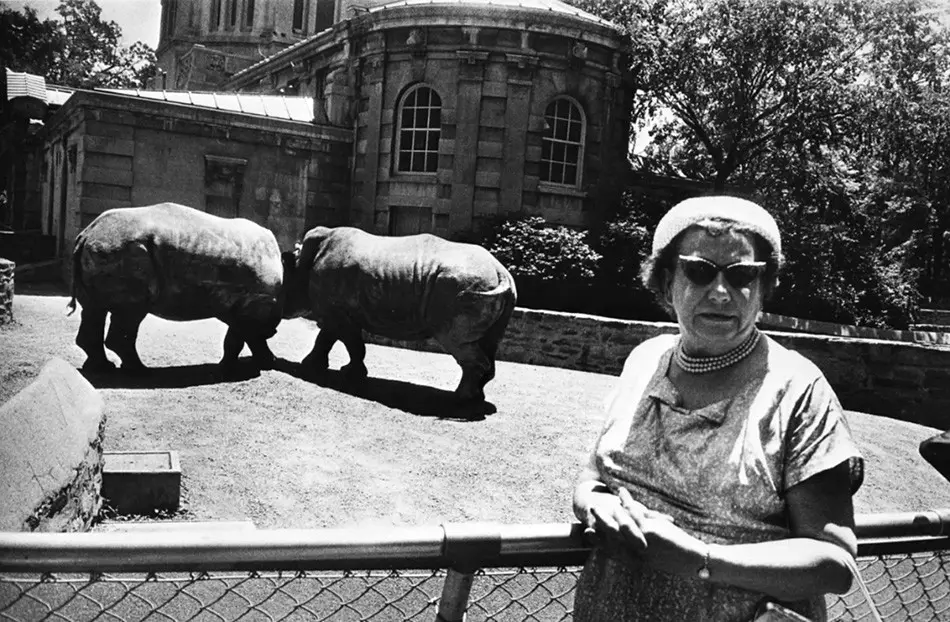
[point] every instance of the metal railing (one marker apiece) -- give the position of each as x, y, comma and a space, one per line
448, 572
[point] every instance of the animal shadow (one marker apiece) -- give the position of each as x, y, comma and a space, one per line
417, 399
176, 377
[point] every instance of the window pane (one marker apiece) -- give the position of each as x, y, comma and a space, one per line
574, 132
433, 142
571, 154
557, 173
557, 152
418, 141
560, 129
420, 117
405, 140
570, 175
545, 174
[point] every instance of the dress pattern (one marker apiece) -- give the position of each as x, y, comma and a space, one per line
721, 471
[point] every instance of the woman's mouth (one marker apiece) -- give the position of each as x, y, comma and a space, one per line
716, 317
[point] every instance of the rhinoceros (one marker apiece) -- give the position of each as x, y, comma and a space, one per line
181, 264
407, 288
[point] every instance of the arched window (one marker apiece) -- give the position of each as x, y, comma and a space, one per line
420, 127
562, 146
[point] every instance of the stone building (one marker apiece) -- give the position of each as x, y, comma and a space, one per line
397, 118
462, 110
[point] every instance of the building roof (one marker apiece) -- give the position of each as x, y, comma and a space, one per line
273, 106
57, 95
554, 6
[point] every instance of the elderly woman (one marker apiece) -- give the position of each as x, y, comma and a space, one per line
721, 479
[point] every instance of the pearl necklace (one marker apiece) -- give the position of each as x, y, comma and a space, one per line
706, 364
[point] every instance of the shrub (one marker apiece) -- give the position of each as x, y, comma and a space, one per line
532, 248
553, 265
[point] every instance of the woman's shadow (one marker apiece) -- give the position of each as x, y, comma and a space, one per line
416, 399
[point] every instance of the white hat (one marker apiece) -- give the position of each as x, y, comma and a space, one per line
697, 209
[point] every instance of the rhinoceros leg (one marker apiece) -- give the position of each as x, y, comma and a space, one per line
477, 368
356, 348
233, 344
261, 352
123, 332
239, 333
319, 357
91, 332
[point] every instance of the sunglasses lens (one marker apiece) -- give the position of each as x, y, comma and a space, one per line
699, 272
740, 276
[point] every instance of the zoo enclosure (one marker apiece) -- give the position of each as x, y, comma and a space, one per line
489, 571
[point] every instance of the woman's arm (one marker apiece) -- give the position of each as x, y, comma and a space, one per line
812, 562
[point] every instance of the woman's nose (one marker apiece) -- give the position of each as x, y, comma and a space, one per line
718, 290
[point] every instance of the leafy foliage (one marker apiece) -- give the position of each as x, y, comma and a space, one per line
835, 114
81, 51
529, 247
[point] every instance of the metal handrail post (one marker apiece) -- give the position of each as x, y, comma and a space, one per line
455, 592
467, 547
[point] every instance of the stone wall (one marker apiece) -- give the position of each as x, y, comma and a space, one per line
905, 381
7, 268
51, 453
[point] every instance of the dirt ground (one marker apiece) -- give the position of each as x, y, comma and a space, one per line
284, 451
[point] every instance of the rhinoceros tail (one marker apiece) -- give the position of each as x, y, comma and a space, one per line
76, 272
509, 297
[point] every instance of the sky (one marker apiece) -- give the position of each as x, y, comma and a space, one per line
138, 19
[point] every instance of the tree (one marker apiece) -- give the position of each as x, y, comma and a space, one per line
830, 112
726, 79
29, 44
81, 51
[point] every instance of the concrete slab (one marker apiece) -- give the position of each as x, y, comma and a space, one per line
141, 482
50, 453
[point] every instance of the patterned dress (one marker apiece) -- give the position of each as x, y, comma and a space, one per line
721, 471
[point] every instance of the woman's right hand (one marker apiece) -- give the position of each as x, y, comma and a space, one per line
607, 519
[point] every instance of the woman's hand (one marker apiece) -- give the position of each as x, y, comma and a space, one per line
655, 538
609, 518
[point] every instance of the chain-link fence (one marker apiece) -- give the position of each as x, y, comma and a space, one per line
909, 577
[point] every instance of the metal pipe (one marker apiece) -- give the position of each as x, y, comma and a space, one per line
903, 524
455, 593
463, 546
282, 548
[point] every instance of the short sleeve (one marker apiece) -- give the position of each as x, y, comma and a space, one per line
819, 438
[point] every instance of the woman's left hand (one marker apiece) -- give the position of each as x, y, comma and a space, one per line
656, 539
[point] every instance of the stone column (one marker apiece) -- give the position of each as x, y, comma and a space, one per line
6, 290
